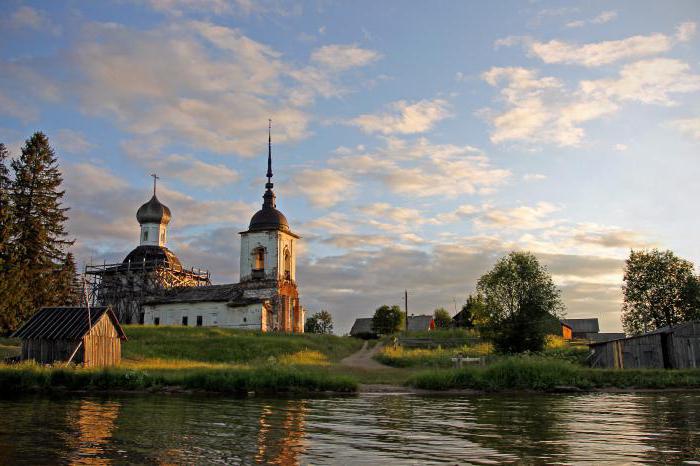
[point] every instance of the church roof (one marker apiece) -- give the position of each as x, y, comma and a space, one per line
153, 212
232, 294
153, 255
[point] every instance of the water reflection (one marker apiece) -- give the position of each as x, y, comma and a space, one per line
166, 429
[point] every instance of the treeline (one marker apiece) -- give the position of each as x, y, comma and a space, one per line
36, 269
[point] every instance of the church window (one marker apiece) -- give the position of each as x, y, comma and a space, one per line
287, 264
145, 235
156, 321
184, 321
259, 256
199, 321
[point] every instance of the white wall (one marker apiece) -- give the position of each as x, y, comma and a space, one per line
214, 314
274, 243
157, 235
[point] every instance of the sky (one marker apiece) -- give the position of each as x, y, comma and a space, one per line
414, 143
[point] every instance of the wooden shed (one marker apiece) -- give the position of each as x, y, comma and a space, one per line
676, 347
88, 336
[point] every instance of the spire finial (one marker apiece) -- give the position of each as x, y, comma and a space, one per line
269, 152
155, 177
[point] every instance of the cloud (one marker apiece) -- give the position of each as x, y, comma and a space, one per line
534, 177
520, 218
423, 169
26, 17
601, 53
72, 141
342, 57
178, 8
611, 237
195, 172
404, 118
688, 126
620, 147
647, 81
539, 109
11, 107
323, 187
602, 18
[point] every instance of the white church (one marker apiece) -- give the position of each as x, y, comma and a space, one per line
266, 298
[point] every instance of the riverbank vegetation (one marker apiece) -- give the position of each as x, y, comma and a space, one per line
548, 374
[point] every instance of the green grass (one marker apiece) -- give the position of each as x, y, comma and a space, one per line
9, 347
437, 357
27, 378
543, 374
218, 345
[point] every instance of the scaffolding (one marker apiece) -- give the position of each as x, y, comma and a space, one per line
126, 285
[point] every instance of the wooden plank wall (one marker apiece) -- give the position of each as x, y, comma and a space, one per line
102, 345
684, 346
49, 351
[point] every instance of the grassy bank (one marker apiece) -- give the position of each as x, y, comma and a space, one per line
437, 357
26, 378
544, 374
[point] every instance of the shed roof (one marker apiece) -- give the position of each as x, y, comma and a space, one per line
65, 323
419, 323
582, 325
361, 326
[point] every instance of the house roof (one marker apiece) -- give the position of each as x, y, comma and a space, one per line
419, 323
65, 323
582, 325
362, 325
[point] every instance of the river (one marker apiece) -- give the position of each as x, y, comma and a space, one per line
367, 429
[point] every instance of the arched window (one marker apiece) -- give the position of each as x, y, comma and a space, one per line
259, 259
287, 264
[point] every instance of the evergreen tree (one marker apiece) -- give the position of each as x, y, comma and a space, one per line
39, 241
67, 290
5, 211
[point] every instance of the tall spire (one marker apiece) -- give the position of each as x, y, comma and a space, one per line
155, 177
269, 154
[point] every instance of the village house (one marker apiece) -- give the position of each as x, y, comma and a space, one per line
586, 329
80, 335
362, 327
265, 299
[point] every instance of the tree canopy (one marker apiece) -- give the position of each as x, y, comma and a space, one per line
388, 320
442, 318
521, 300
659, 289
320, 322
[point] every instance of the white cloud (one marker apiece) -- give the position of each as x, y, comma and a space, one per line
602, 18
647, 81
687, 126
323, 187
520, 218
178, 8
404, 117
69, 140
341, 57
686, 31
620, 147
534, 177
423, 169
195, 172
601, 53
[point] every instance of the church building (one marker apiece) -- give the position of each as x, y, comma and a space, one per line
266, 298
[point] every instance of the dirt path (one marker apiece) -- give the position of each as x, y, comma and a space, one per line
363, 358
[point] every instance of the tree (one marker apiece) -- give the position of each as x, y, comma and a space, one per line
67, 289
521, 300
442, 318
38, 240
320, 322
5, 209
660, 289
388, 320
473, 313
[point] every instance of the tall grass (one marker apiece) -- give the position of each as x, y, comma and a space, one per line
24, 378
537, 373
437, 357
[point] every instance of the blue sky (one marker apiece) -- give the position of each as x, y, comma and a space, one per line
414, 142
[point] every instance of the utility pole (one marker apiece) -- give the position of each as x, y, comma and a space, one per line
406, 307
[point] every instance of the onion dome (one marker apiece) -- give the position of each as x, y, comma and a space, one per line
152, 255
268, 218
153, 212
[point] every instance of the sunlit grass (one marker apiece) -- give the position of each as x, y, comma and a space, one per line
304, 358
435, 357
175, 364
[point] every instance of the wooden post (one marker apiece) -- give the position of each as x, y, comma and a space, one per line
406, 307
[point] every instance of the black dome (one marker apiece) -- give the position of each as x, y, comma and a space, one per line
268, 218
152, 255
153, 212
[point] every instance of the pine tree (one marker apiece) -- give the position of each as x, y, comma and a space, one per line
39, 241
5, 212
67, 288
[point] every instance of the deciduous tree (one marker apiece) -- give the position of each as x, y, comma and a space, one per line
659, 289
320, 322
388, 320
521, 299
442, 318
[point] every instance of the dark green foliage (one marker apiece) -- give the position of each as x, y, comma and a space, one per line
320, 322
442, 318
536, 373
33, 264
660, 289
473, 313
67, 289
388, 320
521, 300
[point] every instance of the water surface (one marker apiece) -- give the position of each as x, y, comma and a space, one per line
368, 429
